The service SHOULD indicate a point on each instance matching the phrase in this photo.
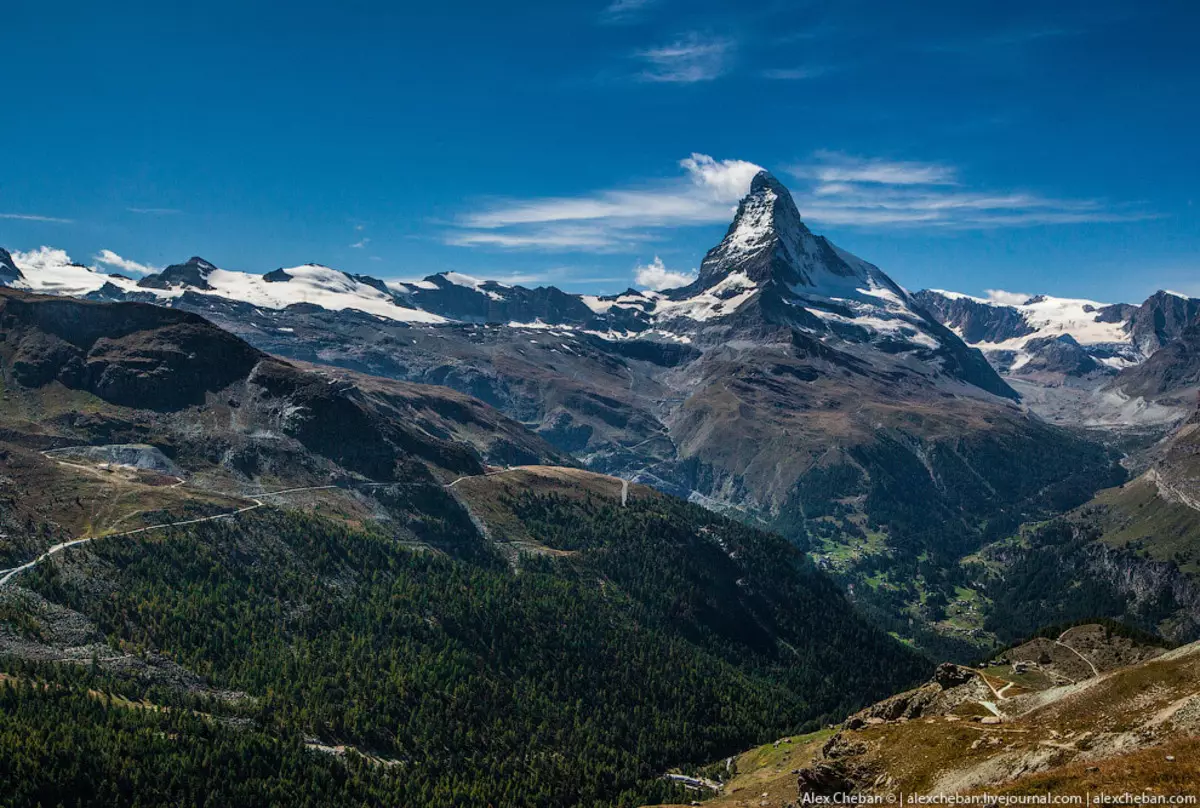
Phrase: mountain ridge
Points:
(792, 383)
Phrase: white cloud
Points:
(728, 180)
(609, 220)
(552, 237)
(110, 258)
(689, 59)
(656, 276)
(1006, 298)
(358, 245)
(625, 10)
(41, 258)
(30, 217)
(831, 189)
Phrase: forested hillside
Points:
(657, 634)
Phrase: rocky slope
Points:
(1087, 710)
(226, 416)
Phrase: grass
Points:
(767, 769)
(1144, 772)
(1136, 518)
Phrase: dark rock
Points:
(949, 675)
(192, 273)
(8, 269)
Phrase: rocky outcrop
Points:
(951, 686)
(1173, 371)
(192, 273)
(1058, 355)
(1160, 319)
(840, 768)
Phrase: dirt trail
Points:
(1090, 664)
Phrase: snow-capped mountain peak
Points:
(192, 273)
(769, 243)
(8, 270)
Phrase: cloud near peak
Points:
(830, 188)
(706, 192)
(656, 276)
(111, 259)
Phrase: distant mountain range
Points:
(769, 271)
(791, 382)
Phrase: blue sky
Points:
(1027, 146)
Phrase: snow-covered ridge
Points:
(1059, 316)
(1087, 322)
(51, 271)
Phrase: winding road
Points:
(8, 574)
(257, 499)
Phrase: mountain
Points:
(1093, 709)
(1115, 366)
(215, 412)
(316, 578)
(9, 274)
(1172, 372)
(1012, 335)
(792, 383)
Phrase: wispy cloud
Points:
(550, 237)
(847, 190)
(620, 11)
(687, 60)
(832, 166)
(655, 275)
(110, 258)
(830, 189)
(610, 220)
(31, 217)
(361, 243)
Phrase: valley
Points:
(479, 539)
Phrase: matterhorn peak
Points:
(768, 242)
(765, 180)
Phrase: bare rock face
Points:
(193, 274)
(976, 321)
(838, 770)
(951, 686)
(949, 675)
(129, 354)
